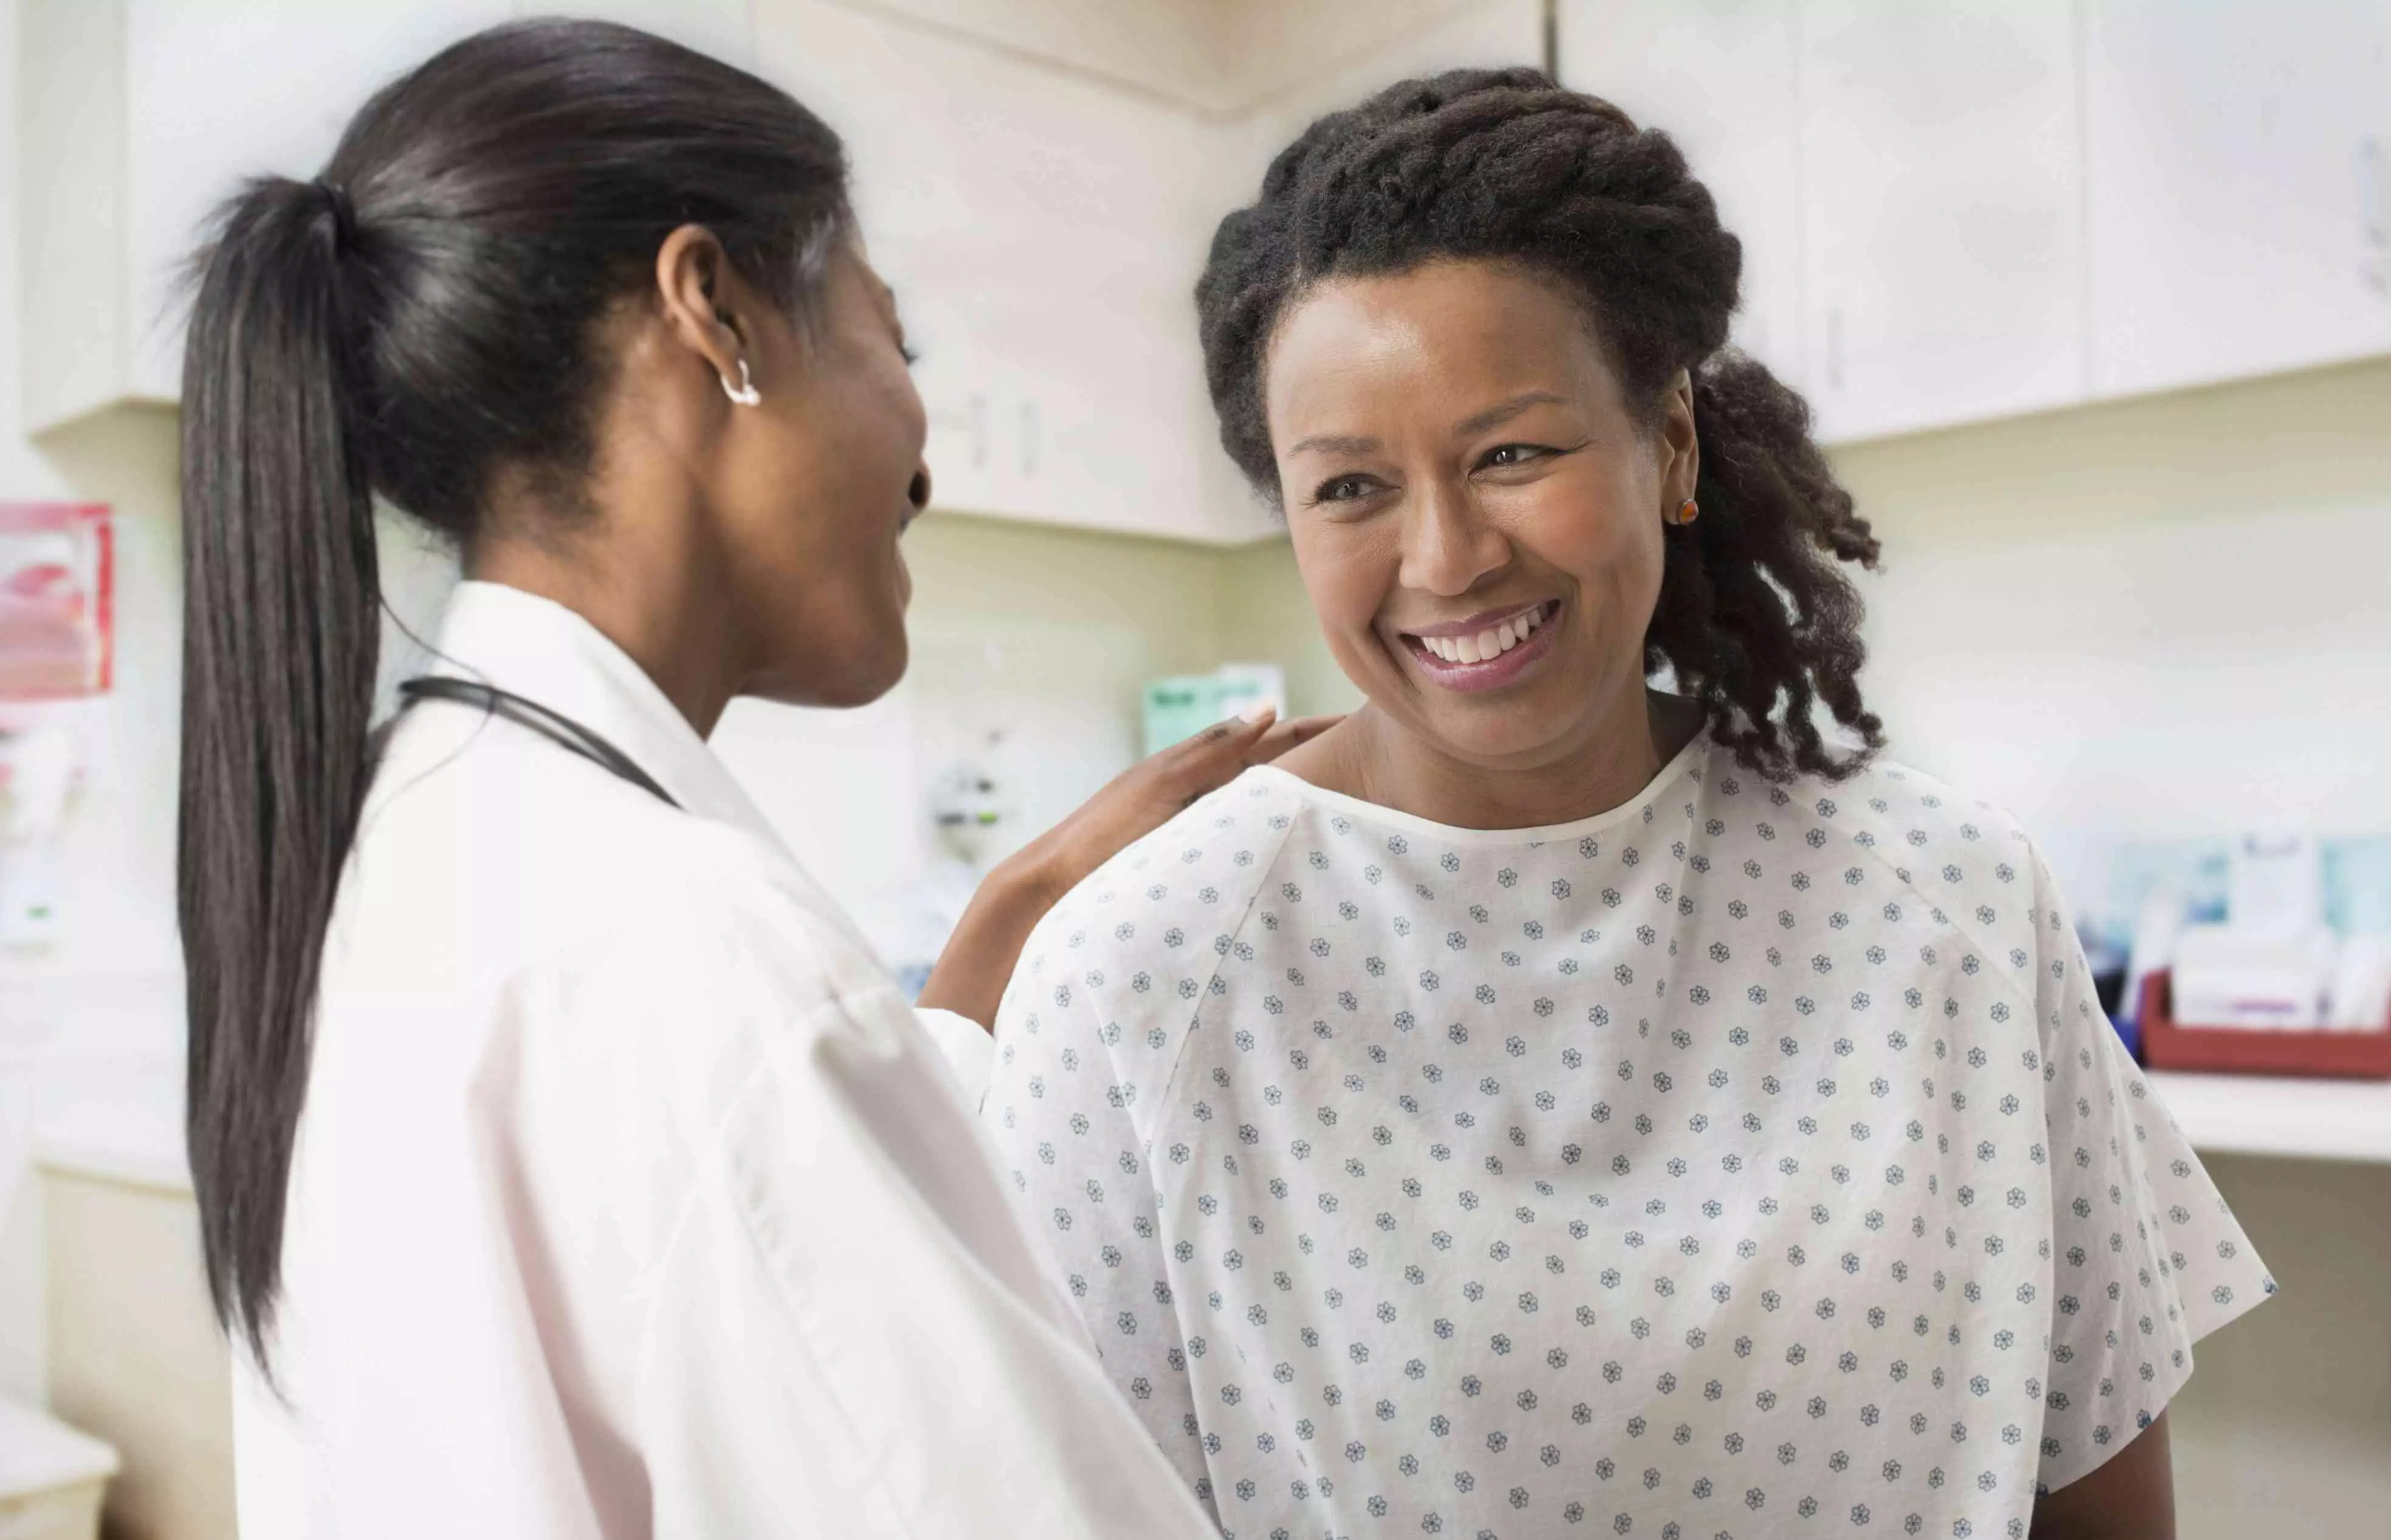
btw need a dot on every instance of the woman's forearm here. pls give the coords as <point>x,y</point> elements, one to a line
<point>2130,1497</point>
<point>970,975</point>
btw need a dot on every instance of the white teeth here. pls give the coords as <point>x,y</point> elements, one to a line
<point>1486,644</point>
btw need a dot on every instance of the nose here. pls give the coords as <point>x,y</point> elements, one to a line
<point>1448,549</point>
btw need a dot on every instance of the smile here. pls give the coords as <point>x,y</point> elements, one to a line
<point>1485,651</point>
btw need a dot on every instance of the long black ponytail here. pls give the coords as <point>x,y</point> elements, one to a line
<point>418,321</point>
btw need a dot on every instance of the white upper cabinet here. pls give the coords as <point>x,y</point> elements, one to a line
<point>1950,210</point>
<point>2239,161</point>
<point>1942,212</point>
<point>1040,233</point>
<point>1718,76</point>
<point>140,117</point>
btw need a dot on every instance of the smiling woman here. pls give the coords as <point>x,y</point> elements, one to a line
<point>1544,1100</point>
<point>1478,302</point>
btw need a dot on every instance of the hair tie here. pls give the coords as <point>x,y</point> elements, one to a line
<point>345,213</point>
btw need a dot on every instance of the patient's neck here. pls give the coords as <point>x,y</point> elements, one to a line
<point>1374,757</point>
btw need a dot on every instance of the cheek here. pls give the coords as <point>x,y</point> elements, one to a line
<point>1600,533</point>
<point>1346,575</point>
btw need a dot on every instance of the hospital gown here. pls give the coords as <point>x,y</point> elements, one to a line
<point>1749,1160</point>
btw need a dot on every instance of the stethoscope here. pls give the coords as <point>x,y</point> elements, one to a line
<point>554,726</point>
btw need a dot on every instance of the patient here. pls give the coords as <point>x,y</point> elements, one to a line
<point>1553,1098</point>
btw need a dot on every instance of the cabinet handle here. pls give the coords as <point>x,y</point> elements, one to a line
<point>2375,213</point>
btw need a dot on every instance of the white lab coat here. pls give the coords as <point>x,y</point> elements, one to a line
<point>630,1198</point>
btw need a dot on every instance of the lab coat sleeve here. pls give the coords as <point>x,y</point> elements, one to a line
<point>970,1051</point>
<point>846,1331</point>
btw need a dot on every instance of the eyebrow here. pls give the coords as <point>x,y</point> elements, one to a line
<point>1335,444</point>
<point>1493,416</point>
<point>1503,411</point>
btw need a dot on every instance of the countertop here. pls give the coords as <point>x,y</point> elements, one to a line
<point>132,1131</point>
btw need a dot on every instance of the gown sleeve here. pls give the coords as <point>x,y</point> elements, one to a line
<point>2146,1258</point>
<point>1061,1108</point>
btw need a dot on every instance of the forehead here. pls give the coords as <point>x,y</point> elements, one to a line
<point>1428,338</point>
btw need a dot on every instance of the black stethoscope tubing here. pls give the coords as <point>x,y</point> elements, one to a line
<point>554,726</point>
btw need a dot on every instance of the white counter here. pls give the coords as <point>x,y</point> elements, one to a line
<point>125,1125</point>
<point>2317,1119</point>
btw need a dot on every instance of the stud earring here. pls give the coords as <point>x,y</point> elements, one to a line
<point>744,392</point>
<point>1687,512</point>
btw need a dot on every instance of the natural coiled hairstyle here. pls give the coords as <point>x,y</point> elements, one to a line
<point>417,323</point>
<point>1756,618</point>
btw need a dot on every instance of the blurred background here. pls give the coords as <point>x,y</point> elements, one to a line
<point>2092,299</point>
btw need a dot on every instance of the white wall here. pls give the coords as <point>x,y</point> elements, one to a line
<point>2162,617</point>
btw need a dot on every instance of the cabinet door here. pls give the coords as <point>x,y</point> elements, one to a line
<point>1942,224</point>
<point>2240,162</point>
<point>1717,76</point>
<point>219,93</point>
<point>1037,229</point>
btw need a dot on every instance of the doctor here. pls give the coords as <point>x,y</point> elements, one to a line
<point>567,1167</point>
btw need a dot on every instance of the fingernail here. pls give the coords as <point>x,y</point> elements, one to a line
<point>1257,711</point>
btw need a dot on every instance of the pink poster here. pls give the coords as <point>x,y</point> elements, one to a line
<point>57,597</point>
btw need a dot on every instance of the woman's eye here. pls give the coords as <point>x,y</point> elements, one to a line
<point>1514,454</point>
<point>1341,489</point>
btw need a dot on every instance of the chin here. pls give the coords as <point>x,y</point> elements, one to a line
<point>870,679</point>
<point>862,678</point>
<point>1515,731</point>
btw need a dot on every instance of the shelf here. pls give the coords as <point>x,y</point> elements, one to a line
<point>2318,1120</point>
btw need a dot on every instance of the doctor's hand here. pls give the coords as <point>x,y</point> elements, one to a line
<point>971,973</point>
<point>1154,791</point>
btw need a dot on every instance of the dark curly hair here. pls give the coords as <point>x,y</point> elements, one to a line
<point>1755,617</point>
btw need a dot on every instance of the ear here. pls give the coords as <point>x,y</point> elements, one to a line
<point>701,298</point>
<point>1680,444</point>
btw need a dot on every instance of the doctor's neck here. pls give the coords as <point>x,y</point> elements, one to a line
<point>650,581</point>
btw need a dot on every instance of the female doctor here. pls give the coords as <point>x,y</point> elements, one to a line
<point>567,1166</point>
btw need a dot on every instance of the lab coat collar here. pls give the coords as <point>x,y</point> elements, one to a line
<point>537,648</point>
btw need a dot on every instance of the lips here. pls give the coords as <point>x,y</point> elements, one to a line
<point>1487,650</point>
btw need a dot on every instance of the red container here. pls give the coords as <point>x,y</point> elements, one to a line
<point>2165,1045</point>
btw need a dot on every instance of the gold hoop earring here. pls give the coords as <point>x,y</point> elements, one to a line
<point>1687,512</point>
<point>745,393</point>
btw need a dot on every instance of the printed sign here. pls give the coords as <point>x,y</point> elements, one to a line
<point>57,584</point>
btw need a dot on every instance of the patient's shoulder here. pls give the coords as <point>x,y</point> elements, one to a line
<point>1140,938</point>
